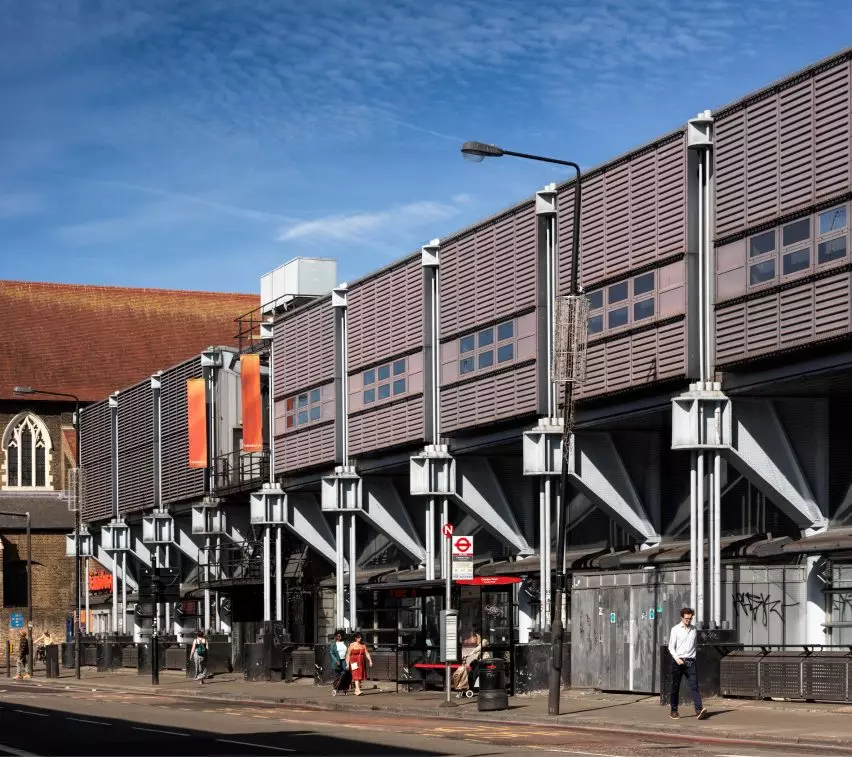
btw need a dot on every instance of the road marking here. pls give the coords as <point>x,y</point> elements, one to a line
<point>16,752</point>
<point>157,730</point>
<point>256,746</point>
<point>37,714</point>
<point>83,720</point>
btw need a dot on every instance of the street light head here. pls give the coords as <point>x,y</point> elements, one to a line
<point>479,151</point>
<point>24,390</point>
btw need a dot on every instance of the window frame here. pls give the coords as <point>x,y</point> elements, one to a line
<point>397,370</point>
<point>39,440</point>
<point>494,346</point>
<point>295,409</point>
<point>606,307</point>
<point>830,236</point>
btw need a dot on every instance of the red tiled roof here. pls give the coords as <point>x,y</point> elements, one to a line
<point>92,340</point>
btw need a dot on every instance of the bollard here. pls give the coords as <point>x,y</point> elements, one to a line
<point>8,659</point>
<point>155,660</point>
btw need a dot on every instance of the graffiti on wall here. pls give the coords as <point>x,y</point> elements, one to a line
<point>760,607</point>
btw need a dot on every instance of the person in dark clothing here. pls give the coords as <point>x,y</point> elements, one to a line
<point>23,656</point>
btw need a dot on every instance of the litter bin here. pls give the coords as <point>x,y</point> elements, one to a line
<point>51,661</point>
<point>492,686</point>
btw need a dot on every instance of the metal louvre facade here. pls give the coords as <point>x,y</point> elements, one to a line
<point>303,352</point>
<point>180,482</point>
<point>136,449</point>
<point>783,179</point>
<point>96,459</point>
<point>391,425</point>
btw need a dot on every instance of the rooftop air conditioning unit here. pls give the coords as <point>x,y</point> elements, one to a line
<point>299,278</point>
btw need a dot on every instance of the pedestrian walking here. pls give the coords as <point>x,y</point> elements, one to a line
<point>337,653</point>
<point>198,654</point>
<point>682,648</point>
<point>357,659</point>
<point>23,656</point>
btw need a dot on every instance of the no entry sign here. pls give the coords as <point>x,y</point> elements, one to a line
<point>447,530</point>
<point>462,546</point>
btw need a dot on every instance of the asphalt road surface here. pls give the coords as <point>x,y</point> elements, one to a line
<point>41,721</point>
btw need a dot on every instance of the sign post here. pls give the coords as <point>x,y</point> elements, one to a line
<point>445,635</point>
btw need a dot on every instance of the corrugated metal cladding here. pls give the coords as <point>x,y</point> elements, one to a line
<point>385,314</point>
<point>96,459</point>
<point>303,348</point>
<point>180,482</point>
<point>785,150</point>
<point>387,426</point>
<point>491,398</point>
<point>635,359</point>
<point>794,317</point>
<point>489,273</point>
<point>306,448</point>
<point>136,448</point>
<point>631,215</point>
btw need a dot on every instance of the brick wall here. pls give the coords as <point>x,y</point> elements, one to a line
<point>54,418</point>
<point>53,584</point>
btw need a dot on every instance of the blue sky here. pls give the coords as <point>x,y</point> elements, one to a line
<point>196,144</point>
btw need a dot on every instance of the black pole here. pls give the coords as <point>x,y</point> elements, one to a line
<point>77,568</point>
<point>557,631</point>
<point>29,595</point>
<point>155,644</point>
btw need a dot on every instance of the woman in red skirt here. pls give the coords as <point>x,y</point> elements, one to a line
<point>357,659</point>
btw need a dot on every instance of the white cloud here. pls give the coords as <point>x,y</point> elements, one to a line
<point>362,226</point>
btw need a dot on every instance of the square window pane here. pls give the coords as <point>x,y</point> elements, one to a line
<point>643,284</point>
<point>617,293</point>
<point>290,421</point>
<point>303,416</point>
<point>596,324</point>
<point>486,359</point>
<point>595,299</point>
<point>793,262</point>
<point>370,377</point>
<point>505,353</point>
<point>384,391</point>
<point>399,386</point>
<point>798,231</point>
<point>316,413</point>
<point>486,337</point>
<point>369,396</point>
<point>761,272</point>
<point>291,403</point>
<point>399,367</point>
<point>384,372</point>
<point>303,400</point>
<point>761,244</point>
<point>643,309</point>
<point>466,365</point>
<point>618,317</point>
<point>832,220</point>
<point>316,395</point>
<point>466,344</point>
<point>505,331</point>
<point>833,249</point>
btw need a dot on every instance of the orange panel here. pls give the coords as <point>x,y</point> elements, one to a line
<point>196,401</point>
<point>252,415</point>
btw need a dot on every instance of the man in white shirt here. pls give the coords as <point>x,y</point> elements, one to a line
<point>682,646</point>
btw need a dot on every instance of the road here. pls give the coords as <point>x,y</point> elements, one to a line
<point>53,720</point>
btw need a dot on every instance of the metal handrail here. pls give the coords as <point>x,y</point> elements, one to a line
<point>238,470</point>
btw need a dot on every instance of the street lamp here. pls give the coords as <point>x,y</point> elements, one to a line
<point>78,497</point>
<point>29,585</point>
<point>477,152</point>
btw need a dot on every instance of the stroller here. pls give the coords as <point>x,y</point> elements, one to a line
<point>465,679</point>
<point>341,683</point>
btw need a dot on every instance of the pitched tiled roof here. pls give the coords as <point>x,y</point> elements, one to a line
<point>92,340</point>
<point>48,511</point>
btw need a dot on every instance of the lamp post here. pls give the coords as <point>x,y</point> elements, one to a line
<point>477,152</point>
<point>78,493</point>
<point>29,584</point>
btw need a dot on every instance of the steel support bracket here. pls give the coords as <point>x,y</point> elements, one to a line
<point>702,418</point>
<point>158,528</point>
<point>86,544</point>
<point>341,492</point>
<point>542,448</point>
<point>432,473</point>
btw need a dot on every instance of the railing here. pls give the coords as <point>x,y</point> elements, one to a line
<point>238,563</point>
<point>239,471</point>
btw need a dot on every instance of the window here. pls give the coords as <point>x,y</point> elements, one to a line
<point>625,303</point>
<point>617,293</point>
<point>596,324</point>
<point>643,309</point>
<point>388,378</point>
<point>793,262</point>
<point>831,242</point>
<point>595,300</point>
<point>762,244</point>
<point>304,408</point>
<point>796,232</point>
<point>834,249</point>
<point>27,447</point>
<point>832,220</point>
<point>618,317</point>
<point>760,273</point>
<point>643,284</point>
<point>482,346</point>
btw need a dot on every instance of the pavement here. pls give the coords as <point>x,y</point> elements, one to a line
<point>746,722</point>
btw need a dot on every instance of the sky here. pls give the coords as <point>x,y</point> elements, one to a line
<point>197,144</point>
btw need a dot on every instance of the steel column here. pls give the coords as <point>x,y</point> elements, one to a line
<point>353,573</point>
<point>278,609</point>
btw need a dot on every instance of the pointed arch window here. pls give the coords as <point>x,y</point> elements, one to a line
<point>26,448</point>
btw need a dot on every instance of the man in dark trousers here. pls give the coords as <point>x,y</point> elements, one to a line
<point>682,647</point>
<point>23,655</point>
